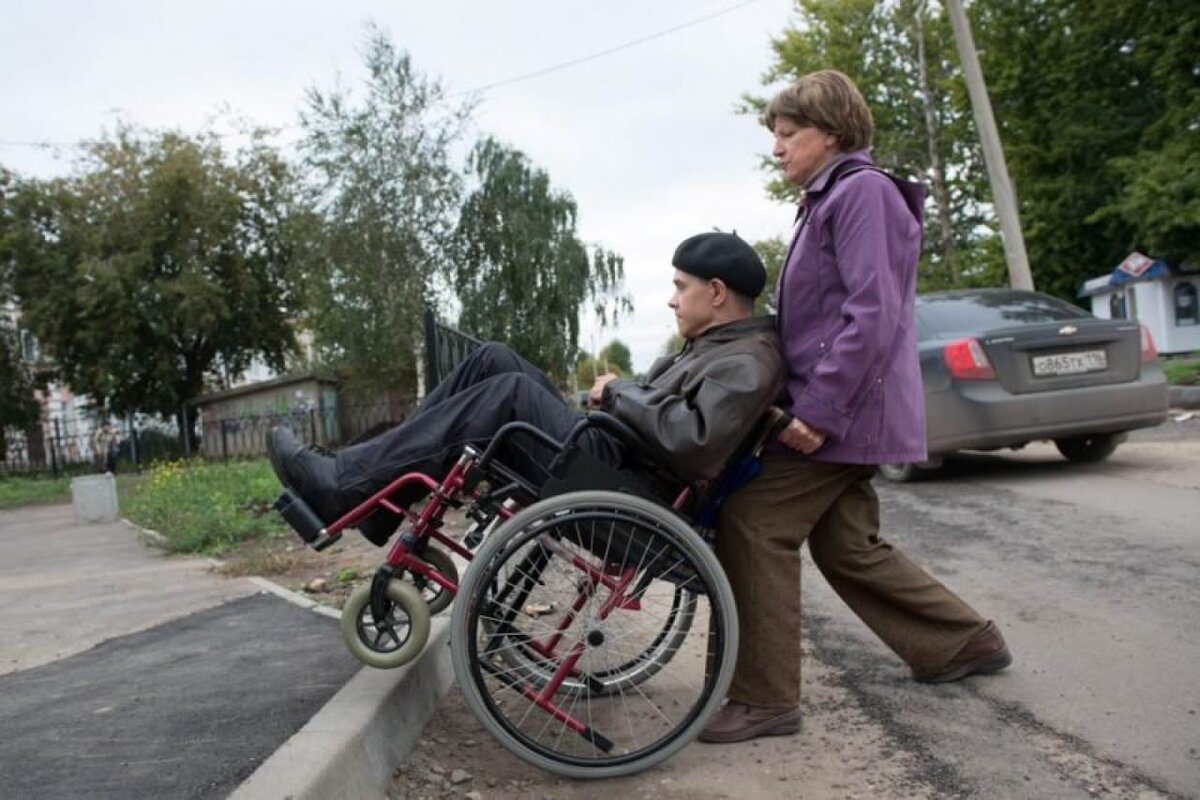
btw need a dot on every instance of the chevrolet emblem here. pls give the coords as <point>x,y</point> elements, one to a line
<point>1068,330</point>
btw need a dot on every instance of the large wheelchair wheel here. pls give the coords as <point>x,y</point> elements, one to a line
<point>568,608</point>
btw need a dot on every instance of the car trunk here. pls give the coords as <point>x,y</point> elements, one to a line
<point>1064,354</point>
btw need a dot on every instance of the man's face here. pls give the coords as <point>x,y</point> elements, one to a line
<point>801,152</point>
<point>692,303</point>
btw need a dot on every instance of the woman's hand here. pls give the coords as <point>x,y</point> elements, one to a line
<point>801,437</point>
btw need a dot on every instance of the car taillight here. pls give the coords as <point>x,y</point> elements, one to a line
<point>1149,352</point>
<point>967,361</point>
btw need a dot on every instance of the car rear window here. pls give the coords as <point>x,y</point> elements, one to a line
<point>946,315</point>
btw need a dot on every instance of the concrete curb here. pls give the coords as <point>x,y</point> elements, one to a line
<point>351,746</point>
<point>145,534</point>
<point>1186,397</point>
<point>293,597</point>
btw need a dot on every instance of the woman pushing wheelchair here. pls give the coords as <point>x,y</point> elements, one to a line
<point>845,298</point>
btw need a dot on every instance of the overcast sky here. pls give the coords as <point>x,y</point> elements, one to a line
<point>646,138</point>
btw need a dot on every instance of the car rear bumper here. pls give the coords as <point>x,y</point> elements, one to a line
<point>980,415</point>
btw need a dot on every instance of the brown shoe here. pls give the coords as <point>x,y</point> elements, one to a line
<point>738,722</point>
<point>983,653</point>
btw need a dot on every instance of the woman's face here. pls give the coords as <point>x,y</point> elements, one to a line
<point>801,151</point>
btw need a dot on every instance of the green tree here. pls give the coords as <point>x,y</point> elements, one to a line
<point>522,274</point>
<point>1098,106</point>
<point>901,55</point>
<point>1158,198</point>
<point>161,263</point>
<point>615,357</point>
<point>586,370</point>
<point>387,193</point>
<point>772,252</point>
<point>18,407</point>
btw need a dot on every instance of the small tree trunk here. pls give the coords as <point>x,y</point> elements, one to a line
<point>941,196</point>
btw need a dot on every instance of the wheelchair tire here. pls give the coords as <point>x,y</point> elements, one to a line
<point>399,638</point>
<point>436,597</point>
<point>539,582</point>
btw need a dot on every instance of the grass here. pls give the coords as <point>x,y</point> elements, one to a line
<point>1182,372</point>
<point>205,508</point>
<point>21,490</point>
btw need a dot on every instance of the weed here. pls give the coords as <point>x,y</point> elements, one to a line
<point>205,508</point>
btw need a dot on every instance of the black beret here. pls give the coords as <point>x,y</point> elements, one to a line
<point>724,256</point>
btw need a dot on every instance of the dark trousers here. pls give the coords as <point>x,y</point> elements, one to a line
<point>491,387</point>
<point>835,509</point>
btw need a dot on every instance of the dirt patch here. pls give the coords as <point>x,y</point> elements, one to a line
<point>328,577</point>
<point>840,753</point>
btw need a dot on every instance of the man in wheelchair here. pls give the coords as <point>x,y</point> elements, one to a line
<point>693,409</point>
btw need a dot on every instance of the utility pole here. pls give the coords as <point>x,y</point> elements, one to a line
<point>1002,191</point>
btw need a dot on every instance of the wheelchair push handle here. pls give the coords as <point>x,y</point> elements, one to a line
<point>774,421</point>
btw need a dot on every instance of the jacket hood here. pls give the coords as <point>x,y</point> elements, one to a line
<point>912,192</point>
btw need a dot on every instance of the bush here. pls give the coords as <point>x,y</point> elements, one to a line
<point>205,508</point>
<point>1182,372</point>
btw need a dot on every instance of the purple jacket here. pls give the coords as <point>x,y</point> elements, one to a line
<point>845,297</point>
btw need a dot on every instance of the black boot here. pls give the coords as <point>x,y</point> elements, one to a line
<point>307,472</point>
<point>312,473</point>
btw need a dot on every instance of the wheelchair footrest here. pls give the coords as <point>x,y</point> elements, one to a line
<point>304,520</point>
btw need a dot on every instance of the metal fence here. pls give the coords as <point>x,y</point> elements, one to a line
<point>246,437</point>
<point>74,445</point>
<point>67,445</point>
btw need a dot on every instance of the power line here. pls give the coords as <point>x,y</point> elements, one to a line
<point>607,52</point>
<point>48,145</point>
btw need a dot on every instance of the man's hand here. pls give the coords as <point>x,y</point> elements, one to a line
<point>597,393</point>
<point>801,437</point>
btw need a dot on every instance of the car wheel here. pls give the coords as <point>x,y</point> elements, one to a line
<point>1090,448</point>
<point>907,473</point>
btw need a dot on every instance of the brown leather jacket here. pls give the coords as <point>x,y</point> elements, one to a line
<point>698,405</point>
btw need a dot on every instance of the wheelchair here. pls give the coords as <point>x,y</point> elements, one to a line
<point>583,583</point>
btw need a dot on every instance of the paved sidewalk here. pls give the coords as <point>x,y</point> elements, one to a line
<point>124,673</point>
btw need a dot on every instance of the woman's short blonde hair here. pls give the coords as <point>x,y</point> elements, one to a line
<point>828,101</point>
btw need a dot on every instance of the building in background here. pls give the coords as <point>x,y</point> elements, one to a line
<point>1163,297</point>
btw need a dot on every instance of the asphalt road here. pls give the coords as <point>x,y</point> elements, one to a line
<point>1091,571</point>
<point>128,674</point>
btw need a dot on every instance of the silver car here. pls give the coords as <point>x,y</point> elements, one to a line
<point>1004,367</point>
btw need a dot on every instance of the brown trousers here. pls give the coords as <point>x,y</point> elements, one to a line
<point>835,508</point>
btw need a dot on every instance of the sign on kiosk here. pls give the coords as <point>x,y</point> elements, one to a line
<point>1135,264</point>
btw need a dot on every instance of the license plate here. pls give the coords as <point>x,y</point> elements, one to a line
<point>1070,363</point>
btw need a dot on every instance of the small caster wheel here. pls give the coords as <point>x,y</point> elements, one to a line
<point>396,639</point>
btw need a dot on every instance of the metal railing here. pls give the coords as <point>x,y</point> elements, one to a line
<point>445,347</point>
